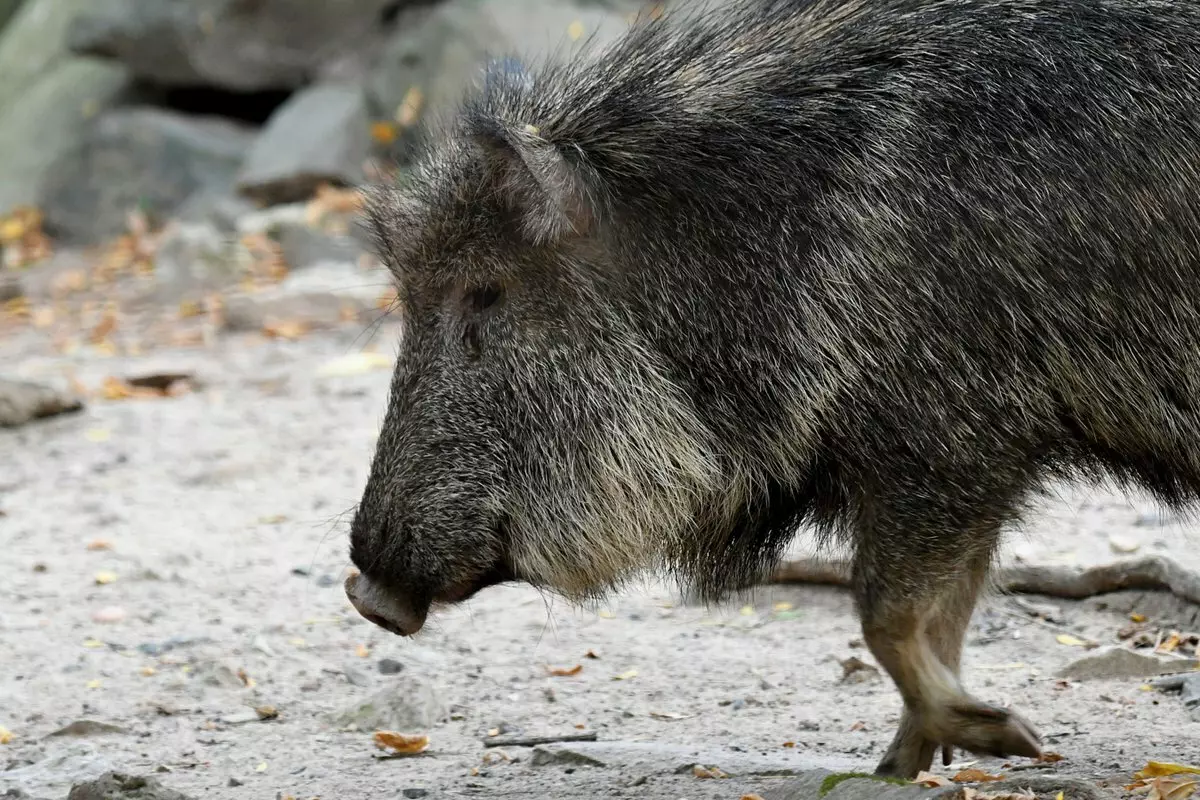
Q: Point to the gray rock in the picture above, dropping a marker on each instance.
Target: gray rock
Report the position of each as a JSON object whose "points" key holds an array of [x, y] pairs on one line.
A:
{"points": [[411, 704], [218, 206], [304, 246], [322, 296], [48, 122], [234, 44], [320, 135], [33, 42], [441, 48], [55, 774], [46, 96], [140, 158], [22, 402], [10, 286], [1113, 663], [194, 257], [88, 727], [821, 784], [7, 9], [303, 242], [390, 666], [117, 786], [668, 759]]}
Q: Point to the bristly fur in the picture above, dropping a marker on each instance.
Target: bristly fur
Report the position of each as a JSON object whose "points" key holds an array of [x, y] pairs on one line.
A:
{"points": [[886, 267]]}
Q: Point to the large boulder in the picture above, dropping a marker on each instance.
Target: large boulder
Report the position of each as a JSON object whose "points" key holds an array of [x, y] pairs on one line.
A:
{"points": [[320, 135], [46, 95], [7, 9], [140, 158], [438, 50], [239, 45]]}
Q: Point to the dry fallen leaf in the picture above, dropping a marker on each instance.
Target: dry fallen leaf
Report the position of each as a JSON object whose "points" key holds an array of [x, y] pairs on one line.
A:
{"points": [[752, 797], [6, 735], [104, 577], [789, 744], [1070, 641], [287, 329], [626, 675], [401, 743], [591, 654], [1154, 769], [565, 671], [701, 771], [99, 544], [94, 683], [930, 781], [1173, 787], [975, 776], [384, 132], [267, 712], [1135, 617]]}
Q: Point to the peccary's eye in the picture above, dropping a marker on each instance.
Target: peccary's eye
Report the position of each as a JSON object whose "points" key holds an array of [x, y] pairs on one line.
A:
{"points": [[483, 298]]}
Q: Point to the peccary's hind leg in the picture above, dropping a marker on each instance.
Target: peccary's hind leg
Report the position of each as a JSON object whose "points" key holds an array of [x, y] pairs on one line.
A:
{"points": [[946, 626], [915, 589]]}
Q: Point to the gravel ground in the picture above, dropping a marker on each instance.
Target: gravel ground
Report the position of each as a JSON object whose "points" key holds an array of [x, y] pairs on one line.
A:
{"points": [[171, 564]]}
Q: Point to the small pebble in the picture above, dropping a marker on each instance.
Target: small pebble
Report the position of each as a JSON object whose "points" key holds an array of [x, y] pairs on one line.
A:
{"points": [[413, 791], [235, 782], [109, 615], [390, 666]]}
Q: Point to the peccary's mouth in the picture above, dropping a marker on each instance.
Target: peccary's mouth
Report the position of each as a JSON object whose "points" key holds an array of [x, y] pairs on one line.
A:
{"points": [[386, 609], [404, 617]]}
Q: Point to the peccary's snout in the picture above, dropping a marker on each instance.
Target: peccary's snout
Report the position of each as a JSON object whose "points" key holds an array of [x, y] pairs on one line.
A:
{"points": [[384, 607]]}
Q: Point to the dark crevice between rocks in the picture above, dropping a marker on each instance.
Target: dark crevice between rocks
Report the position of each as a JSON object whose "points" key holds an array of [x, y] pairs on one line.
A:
{"points": [[250, 107]]}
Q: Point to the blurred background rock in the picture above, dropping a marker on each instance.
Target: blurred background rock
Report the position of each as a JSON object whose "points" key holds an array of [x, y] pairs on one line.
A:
{"points": [[203, 155]]}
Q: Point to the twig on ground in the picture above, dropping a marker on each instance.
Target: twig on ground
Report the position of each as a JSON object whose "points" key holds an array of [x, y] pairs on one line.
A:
{"points": [[530, 741], [1156, 573]]}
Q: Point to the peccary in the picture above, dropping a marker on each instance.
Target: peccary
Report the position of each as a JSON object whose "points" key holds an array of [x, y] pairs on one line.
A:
{"points": [[885, 268]]}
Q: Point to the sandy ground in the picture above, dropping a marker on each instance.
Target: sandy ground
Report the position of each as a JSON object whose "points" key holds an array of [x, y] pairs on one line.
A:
{"points": [[219, 518]]}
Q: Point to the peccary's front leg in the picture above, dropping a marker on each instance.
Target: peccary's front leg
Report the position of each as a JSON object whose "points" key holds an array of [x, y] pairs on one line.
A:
{"points": [[915, 588], [946, 625]]}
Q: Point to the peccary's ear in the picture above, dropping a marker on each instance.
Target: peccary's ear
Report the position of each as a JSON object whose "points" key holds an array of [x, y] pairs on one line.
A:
{"points": [[539, 182]]}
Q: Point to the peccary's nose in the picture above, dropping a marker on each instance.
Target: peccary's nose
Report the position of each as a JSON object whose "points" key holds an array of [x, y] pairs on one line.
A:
{"points": [[382, 607]]}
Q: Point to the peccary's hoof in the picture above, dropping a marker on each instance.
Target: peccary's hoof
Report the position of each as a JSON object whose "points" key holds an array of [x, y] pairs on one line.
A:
{"points": [[987, 730]]}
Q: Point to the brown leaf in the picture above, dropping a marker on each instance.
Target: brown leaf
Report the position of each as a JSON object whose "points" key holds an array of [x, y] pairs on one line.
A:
{"points": [[975, 776], [701, 771], [565, 671], [288, 329], [402, 743], [930, 781]]}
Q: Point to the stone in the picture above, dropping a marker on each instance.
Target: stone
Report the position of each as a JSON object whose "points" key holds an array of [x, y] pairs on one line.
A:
{"points": [[1114, 663], [193, 258], [304, 246], [233, 44], [7, 9], [668, 759], [33, 42], [140, 158], [390, 666], [320, 135], [88, 727], [439, 49], [322, 296], [53, 776], [410, 704], [22, 402], [48, 122], [118, 786], [47, 95]]}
